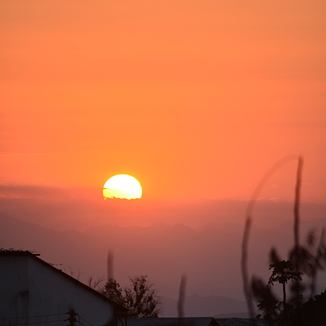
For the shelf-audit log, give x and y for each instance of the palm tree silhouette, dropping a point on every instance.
(283, 271)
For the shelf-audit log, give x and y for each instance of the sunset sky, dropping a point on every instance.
(196, 99)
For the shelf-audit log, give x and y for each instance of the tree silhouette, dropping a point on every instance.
(113, 291)
(302, 259)
(140, 299)
(283, 271)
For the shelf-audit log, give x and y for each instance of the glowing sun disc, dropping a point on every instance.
(122, 186)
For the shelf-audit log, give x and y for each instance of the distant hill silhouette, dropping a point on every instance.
(201, 306)
(210, 256)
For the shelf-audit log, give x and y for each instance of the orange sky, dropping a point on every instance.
(196, 99)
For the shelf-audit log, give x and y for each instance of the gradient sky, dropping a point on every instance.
(196, 99)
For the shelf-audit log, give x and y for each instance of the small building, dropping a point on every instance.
(188, 321)
(240, 321)
(34, 292)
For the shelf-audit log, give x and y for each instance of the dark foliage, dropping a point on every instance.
(303, 260)
(113, 291)
(314, 310)
(267, 302)
(141, 299)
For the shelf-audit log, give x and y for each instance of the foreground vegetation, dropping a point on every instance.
(300, 269)
(140, 299)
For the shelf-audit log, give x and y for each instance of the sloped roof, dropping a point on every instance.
(190, 321)
(26, 253)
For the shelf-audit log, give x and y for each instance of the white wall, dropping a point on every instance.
(29, 287)
(13, 290)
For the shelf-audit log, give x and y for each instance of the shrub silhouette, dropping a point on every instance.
(305, 260)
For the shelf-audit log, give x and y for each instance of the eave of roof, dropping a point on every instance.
(119, 308)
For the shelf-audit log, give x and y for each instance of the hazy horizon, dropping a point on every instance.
(82, 208)
(164, 252)
(155, 238)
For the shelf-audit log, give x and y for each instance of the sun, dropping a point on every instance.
(122, 186)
